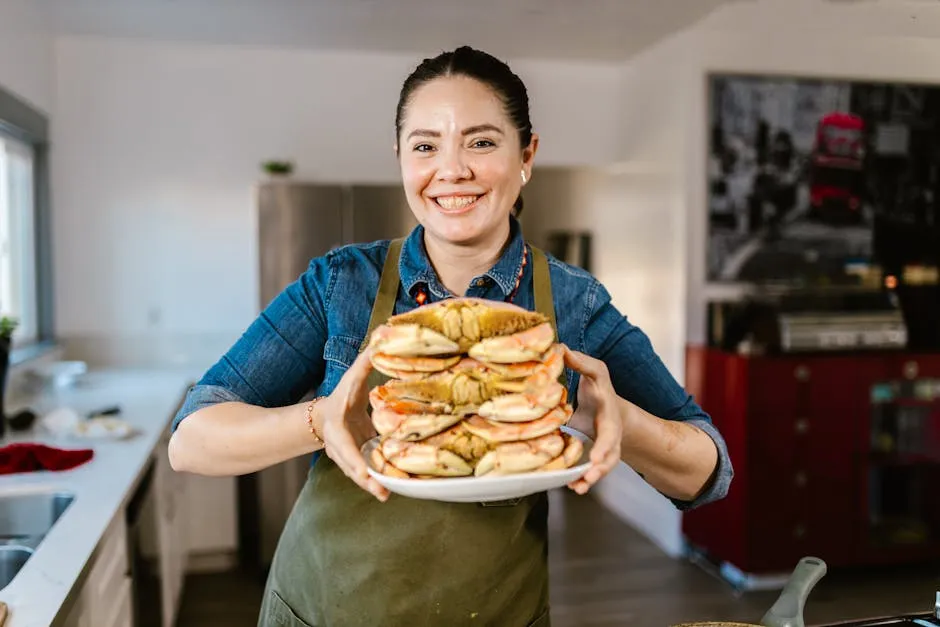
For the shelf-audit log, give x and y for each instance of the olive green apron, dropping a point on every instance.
(345, 559)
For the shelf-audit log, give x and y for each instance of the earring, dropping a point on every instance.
(523, 177)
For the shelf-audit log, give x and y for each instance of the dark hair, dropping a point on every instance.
(466, 61)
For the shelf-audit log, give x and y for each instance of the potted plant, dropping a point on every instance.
(278, 168)
(7, 326)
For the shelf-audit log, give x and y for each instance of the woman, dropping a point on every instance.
(351, 554)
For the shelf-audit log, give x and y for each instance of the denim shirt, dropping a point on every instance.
(306, 338)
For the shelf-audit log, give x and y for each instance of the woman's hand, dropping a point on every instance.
(345, 425)
(598, 407)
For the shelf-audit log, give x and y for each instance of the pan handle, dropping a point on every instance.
(788, 610)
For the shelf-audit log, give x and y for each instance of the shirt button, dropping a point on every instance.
(480, 282)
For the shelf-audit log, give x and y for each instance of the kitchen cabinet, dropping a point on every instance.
(104, 599)
(171, 516)
(799, 430)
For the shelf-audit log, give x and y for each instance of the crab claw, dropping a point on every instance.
(517, 457)
(410, 340)
(411, 427)
(411, 367)
(512, 432)
(574, 448)
(523, 346)
(529, 404)
(382, 465)
(420, 458)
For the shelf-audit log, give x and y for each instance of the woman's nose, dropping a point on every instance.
(452, 165)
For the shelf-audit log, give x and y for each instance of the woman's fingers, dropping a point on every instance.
(605, 454)
(593, 369)
(342, 449)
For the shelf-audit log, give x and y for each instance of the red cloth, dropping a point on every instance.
(30, 457)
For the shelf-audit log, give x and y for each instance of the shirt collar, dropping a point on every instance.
(415, 269)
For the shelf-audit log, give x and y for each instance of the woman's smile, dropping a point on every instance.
(457, 204)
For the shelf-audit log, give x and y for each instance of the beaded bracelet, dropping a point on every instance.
(316, 436)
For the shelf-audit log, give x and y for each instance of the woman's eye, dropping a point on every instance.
(483, 143)
(423, 147)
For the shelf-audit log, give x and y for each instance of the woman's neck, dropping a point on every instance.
(456, 265)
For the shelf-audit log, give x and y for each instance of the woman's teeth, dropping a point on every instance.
(456, 202)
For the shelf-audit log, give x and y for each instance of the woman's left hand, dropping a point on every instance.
(598, 406)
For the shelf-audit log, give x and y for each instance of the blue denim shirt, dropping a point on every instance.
(309, 334)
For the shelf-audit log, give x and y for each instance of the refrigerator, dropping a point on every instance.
(298, 221)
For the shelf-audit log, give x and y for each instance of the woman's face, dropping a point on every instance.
(461, 162)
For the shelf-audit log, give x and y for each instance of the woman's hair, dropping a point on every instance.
(466, 61)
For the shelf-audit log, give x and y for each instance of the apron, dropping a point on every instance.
(345, 559)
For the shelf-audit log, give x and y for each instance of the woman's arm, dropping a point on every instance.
(244, 414)
(234, 438)
(666, 437)
(676, 458)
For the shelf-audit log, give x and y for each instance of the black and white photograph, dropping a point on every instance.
(809, 179)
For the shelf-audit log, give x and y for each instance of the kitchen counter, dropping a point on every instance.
(46, 585)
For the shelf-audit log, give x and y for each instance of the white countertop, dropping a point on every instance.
(101, 486)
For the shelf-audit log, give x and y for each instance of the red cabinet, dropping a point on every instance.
(798, 430)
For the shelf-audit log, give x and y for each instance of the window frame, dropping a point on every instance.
(23, 122)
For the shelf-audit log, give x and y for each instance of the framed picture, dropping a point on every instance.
(817, 183)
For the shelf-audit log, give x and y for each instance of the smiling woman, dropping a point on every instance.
(351, 553)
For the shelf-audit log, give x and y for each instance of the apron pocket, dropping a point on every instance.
(280, 614)
(504, 503)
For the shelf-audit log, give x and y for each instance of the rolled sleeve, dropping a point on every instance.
(639, 376)
(279, 358)
(199, 396)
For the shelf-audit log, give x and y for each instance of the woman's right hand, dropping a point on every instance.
(345, 425)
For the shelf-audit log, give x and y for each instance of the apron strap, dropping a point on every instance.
(542, 285)
(384, 305)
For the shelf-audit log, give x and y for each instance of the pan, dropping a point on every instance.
(787, 611)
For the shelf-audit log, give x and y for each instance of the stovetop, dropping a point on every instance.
(926, 619)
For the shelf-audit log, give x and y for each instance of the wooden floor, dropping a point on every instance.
(605, 574)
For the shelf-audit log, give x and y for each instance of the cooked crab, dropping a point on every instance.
(473, 387)
(490, 330)
(493, 431)
(574, 448)
(523, 456)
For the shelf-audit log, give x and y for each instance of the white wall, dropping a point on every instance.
(158, 147)
(26, 54)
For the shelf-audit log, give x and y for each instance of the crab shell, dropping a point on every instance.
(496, 331)
(411, 367)
(574, 448)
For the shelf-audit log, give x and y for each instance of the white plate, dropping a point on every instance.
(482, 489)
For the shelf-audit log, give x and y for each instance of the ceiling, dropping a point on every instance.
(605, 30)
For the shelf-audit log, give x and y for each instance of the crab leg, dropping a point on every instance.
(552, 361)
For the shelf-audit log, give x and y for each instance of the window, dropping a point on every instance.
(25, 272)
(18, 293)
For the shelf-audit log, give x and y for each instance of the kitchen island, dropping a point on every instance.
(80, 573)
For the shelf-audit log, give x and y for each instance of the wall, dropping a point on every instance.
(647, 209)
(26, 54)
(158, 147)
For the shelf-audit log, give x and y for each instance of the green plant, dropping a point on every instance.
(278, 167)
(7, 327)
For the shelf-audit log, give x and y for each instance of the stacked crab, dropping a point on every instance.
(474, 390)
